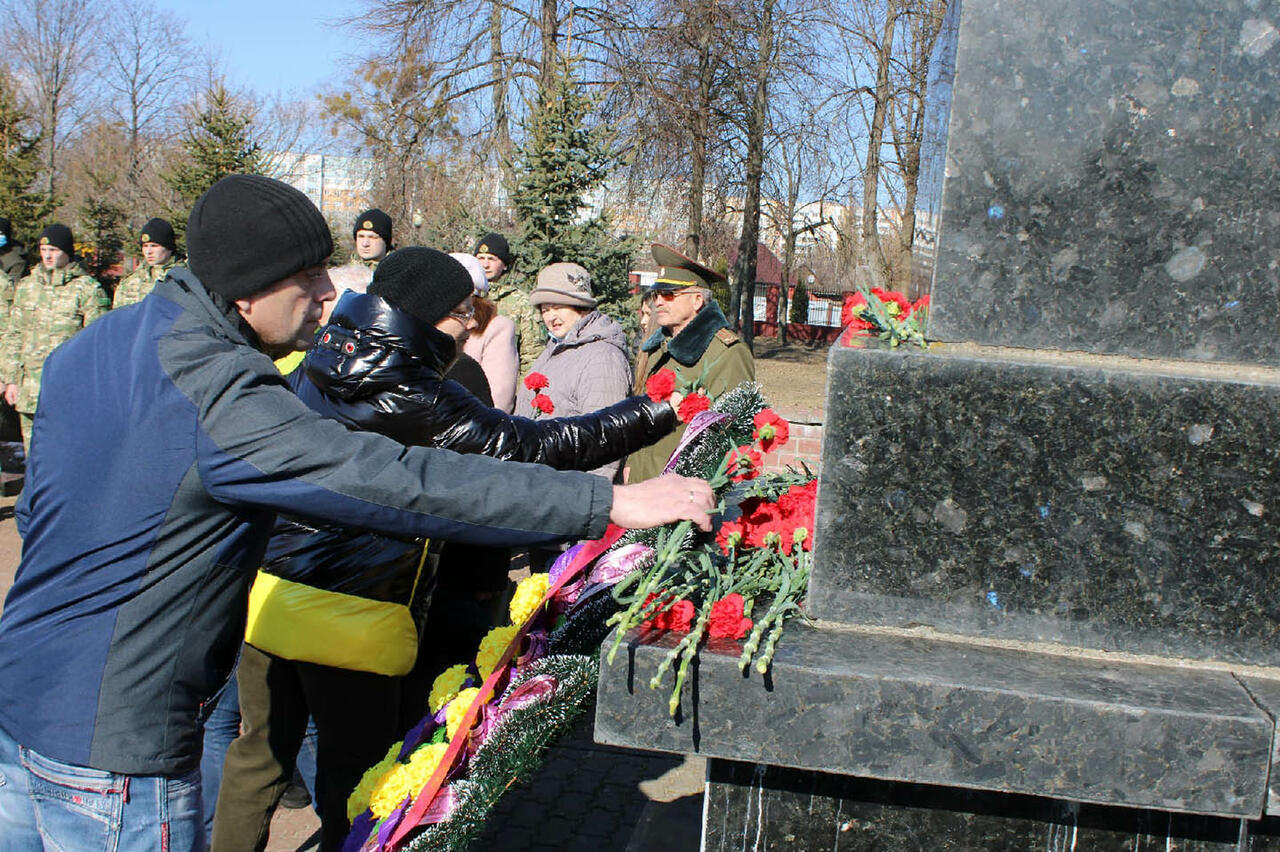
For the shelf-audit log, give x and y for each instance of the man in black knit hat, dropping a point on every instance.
(13, 260)
(121, 626)
(158, 246)
(372, 235)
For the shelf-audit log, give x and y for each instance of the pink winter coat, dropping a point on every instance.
(495, 349)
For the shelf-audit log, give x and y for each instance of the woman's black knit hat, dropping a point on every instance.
(248, 232)
(423, 282)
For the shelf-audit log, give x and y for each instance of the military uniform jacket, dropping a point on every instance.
(49, 306)
(705, 349)
(139, 283)
(6, 297)
(531, 334)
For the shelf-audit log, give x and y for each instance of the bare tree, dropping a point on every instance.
(757, 115)
(49, 42)
(145, 68)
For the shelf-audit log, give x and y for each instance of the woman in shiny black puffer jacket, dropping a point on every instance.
(377, 368)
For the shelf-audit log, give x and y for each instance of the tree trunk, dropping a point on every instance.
(498, 95)
(548, 34)
(872, 254)
(747, 251)
(699, 129)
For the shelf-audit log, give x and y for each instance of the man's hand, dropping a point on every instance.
(663, 500)
(11, 394)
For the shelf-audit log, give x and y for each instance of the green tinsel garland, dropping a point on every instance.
(514, 751)
(584, 627)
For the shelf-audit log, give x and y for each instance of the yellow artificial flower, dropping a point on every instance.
(390, 791)
(446, 686)
(528, 597)
(358, 801)
(424, 762)
(457, 709)
(492, 647)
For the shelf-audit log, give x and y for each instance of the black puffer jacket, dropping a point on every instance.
(377, 369)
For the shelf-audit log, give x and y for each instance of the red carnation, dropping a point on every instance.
(536, 381)
(772, 431)
(692, 404)
(543, 403)
(661, 385)
(744, 463)
(727, 620)
(676, 616)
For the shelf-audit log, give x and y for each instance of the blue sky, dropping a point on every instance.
(295, 47)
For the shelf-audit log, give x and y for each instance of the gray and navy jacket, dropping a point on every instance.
(163, 445)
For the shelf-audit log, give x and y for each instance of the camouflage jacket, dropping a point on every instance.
(139, 283)
(531, 334)
(48, 308)
(6, 297)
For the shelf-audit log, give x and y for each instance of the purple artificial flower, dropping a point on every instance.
(616, 564)
(360, 830)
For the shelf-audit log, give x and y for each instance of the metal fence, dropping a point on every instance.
(824, 309)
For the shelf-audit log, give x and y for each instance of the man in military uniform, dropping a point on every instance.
(50, 305)
(693, 340)
(13, 256)
(372, 235)
(531, 337)
(158, 246)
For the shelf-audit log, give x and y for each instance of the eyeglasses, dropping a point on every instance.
(464, 316)
(668, 295)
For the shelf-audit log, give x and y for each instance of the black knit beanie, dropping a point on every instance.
(160, 232)
(423, 282)
(496, 245)
(58, 236)
(374, 220)
(248, 232)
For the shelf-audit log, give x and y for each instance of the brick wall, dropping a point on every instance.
(805, 441)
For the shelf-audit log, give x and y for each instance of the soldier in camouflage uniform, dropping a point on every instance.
(54, 301)
(158, 246)
(512, 302)
(13, 261)
(372, 235)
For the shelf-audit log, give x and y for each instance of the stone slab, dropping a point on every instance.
(956, 714)
(1088, 500)
(1267, 694)
(760, 807)
(1112, 179)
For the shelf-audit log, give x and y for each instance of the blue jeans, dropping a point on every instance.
(222, 726)
(49, 804)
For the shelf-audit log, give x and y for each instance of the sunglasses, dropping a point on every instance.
(668, 295)
(463, 315)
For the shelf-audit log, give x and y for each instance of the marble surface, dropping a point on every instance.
(758, 807)
(956, 714)
(1055, 498)
(1113, 179)
(1266, 693)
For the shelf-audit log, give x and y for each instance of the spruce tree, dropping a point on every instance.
(19, 166)
(561, 162)
(217, 142)
(800, 304)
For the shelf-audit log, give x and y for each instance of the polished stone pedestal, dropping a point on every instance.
(1047, 555)
(769, 807)
(960, 714)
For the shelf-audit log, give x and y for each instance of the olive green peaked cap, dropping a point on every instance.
(675, 270)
